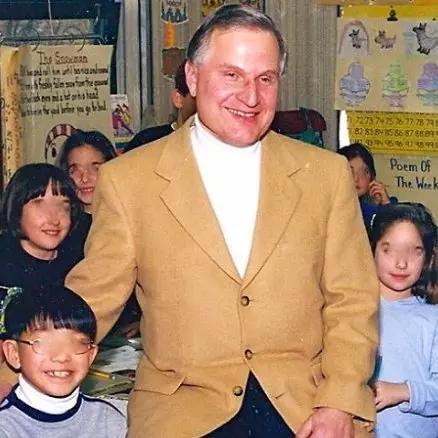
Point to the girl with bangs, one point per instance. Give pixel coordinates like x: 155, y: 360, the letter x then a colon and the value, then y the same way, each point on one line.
x: 40, y: 208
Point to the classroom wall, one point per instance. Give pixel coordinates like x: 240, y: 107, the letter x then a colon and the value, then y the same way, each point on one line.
x: 310, y: 32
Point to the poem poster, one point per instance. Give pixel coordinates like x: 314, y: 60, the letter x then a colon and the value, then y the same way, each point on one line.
x: 62, y: 88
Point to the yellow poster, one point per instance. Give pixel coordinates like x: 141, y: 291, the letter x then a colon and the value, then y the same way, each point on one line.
x: 10, y: 113
x: 62, y: 88
x: 400, y: 133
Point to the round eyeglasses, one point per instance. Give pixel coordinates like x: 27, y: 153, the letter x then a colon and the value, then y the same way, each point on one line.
x: 45, y: 346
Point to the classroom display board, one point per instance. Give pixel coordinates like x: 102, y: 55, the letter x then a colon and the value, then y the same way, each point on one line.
x: 406, y: 160
x: 55, y: 89
x: 387, y: 65
x: 401, y: 128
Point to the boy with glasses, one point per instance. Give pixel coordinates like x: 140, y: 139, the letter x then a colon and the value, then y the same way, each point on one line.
x: 49, y: 337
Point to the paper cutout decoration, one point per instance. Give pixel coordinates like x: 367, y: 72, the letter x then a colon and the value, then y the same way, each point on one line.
x: 395, y: 86
x: 172, y: 56
x: 55, y: 139
x: 174, y: 11
x: 354, y: 86
x: 355, y: 40
x: 209, y: 6
x: 427, y: 85
x: 384, y: 41
x: 426, y: 43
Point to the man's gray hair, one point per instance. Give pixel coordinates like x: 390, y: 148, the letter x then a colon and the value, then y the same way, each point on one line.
x: 233, y: 17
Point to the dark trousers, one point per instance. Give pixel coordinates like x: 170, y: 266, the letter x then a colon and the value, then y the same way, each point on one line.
x: 257, y: 417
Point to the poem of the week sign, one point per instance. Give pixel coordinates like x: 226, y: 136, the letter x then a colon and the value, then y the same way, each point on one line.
x: 410, y: 178
x: 62, y: 88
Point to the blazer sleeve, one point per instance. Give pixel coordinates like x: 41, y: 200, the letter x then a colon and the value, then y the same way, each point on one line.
x: 107, y: 275
x: 351, y: 293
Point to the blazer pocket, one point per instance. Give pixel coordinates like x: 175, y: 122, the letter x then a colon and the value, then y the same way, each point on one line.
x: 151, y: 379
x: 318, y: 377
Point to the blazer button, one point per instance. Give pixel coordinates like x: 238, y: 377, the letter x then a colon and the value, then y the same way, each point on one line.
x: 238, y: 391
x: 244, y: 301
x: 249, y: 354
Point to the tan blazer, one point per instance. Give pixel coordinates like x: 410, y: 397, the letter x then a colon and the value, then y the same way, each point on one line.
x: 303, y: 319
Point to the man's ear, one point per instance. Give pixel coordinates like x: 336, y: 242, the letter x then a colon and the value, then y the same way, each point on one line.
x: 92, y: 354
x: 177, y: 99
x: 191, y: 77
x: 10, y: 350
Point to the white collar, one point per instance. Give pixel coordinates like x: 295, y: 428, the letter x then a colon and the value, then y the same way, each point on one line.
x: 205, y: 136
x: 42, y: 402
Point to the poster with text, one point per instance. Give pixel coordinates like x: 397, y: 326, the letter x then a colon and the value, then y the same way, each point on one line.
x: 62, y: 88
x: 410, y: 178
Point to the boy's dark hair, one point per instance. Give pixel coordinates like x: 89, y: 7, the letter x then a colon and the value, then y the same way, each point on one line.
x: 422, y: 219
x: 80, y: 138
x: 180, y: 79
x: 359, y: 150
x: 30, y: 182
x: 56, y: 307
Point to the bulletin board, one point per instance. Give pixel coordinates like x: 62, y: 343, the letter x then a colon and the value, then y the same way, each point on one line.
x: 403, y: 138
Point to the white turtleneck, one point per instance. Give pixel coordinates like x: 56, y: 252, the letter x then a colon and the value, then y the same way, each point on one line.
x: 231, y: 176
x: 42, y: 402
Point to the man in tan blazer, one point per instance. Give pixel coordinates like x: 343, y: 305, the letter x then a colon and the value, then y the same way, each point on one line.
x: 250, y: 259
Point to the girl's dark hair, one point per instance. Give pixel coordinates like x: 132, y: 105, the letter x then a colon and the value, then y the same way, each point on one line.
x: 422, y: 219
x: 359, y: 150
x: 42, y: 309
x: 30, y: 182
x: 80, y: 138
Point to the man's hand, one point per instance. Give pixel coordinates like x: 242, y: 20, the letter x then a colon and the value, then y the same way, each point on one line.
x: 327, y: 423
x: 377, y: 190
x: 390, y: 394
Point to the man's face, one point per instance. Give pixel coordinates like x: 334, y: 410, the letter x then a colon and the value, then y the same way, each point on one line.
x: 236, y: 84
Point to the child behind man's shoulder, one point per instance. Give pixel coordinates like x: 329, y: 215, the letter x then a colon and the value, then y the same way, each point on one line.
x: 50, y: 338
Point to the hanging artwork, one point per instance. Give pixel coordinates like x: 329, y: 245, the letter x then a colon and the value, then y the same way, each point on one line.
x: 172, y: 56
x: 55, y: 90
x: 209, y: 6
x: 254, y: 3
x: 387, y: 65
x: 174, y: 11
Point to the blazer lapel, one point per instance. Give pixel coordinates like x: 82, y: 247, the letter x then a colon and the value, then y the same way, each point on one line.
x: 187, y: 200
x: 278, y: 198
